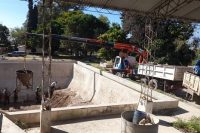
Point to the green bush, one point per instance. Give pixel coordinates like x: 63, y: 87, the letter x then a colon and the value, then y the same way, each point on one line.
x: 193, y: 125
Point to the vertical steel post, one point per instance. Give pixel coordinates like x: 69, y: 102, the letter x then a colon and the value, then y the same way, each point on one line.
x: 50, y: 43
x: 43, y: 44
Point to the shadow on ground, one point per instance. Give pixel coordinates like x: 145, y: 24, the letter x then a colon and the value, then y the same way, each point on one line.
x: 55, y: 130
x: 164, y: 123
x: 171, y: 112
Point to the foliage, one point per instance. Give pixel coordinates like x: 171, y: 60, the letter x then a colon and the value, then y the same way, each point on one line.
x: 58, y: 7
x: 104, y: 20
x: 82, y: 25
x: 114, y: 34
x: 76, y: 23
x: 57, y: 28
x: 171, y: 46
x: 171, y: 43
x: 4, y: 34
x: 134, y: 24
x: 195, y: 43
x: 32, y: 18
x: 193, y: 125
x: 17, y: 36
x: 107, y: 53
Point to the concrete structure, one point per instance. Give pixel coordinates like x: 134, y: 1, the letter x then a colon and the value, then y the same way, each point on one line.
x: 9, y: 127
x: 108, y: 93
x: 127, y: 125
x: 61, y: 72
x: 102, y: 87
x: 45, y: 121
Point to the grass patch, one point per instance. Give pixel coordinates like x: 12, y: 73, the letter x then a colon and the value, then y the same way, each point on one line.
x: 191, y: 126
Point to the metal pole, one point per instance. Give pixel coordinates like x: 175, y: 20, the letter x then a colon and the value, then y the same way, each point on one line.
x: 50, y: 42
x: 25, y: 51
x: 43, y: 43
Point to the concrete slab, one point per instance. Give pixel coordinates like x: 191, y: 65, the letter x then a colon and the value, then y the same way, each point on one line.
x: 108, y: 124
x: 69, y: 113
x: 9, y: 127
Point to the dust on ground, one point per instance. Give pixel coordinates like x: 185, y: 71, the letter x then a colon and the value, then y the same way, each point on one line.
x: 66, y: 97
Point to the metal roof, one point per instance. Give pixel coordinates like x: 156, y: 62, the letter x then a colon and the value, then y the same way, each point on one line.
x: 182, y: 9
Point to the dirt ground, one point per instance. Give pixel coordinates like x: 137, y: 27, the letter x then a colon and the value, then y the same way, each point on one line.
x: 60, y: 98
x: 66, y: 97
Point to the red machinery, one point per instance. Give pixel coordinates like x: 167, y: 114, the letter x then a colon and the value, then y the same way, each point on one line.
x: 131, y: 48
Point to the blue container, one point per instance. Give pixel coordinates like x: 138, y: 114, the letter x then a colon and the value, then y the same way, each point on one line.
x: 138, y: 116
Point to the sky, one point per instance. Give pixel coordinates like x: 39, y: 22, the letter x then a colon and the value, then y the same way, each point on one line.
x: 13, y: 14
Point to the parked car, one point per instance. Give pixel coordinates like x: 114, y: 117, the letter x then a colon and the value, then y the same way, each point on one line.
x: 17, y: 53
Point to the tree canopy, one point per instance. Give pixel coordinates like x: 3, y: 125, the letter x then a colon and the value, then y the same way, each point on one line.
x: 4, y: 34
x: 82, y: 25
x: 171, y: 43
x: 114, y: 34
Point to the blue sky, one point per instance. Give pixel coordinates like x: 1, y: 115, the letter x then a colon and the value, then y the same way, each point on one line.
x: 13, y: 14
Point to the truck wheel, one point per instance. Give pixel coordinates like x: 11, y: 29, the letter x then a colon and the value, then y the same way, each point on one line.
x: 143, y: 81
x: 197, y: 99
x: 153, y: 84
x: 118, y: 74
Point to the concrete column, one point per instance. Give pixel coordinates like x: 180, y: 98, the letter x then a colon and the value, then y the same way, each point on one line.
x: 45, y: 121
x: 1, y: 121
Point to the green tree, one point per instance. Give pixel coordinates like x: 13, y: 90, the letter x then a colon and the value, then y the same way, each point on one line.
x: 171, y: 41
x: 4, y: 34
x: 82, y: 25
x: 57, y: 29
x: 78, y: 24
x: 17, y: 36
x: 32, y: 17
x: 114, y: 34
x: 171, y: 45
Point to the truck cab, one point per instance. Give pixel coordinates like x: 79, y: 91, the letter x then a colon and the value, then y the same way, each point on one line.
x: 119, y: 63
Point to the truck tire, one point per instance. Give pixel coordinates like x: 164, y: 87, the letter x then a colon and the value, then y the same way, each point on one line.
x: 153, y: 84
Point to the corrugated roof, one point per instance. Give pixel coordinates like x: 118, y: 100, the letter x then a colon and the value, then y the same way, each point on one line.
x: 183, y: 9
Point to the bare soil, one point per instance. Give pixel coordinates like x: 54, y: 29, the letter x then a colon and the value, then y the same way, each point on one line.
x: 66, y: 97
x: 60, y: 98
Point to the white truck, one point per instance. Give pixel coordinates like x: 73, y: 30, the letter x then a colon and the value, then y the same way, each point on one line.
x: 169, y: 76
x: 192, y: 84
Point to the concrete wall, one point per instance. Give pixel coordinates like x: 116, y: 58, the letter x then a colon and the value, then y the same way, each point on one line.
x: 109, y: 94
x: 69, y: 113
x: 101, y: 87
x: 61, y: 72
x: 9, y: 127
x: 98, y: 89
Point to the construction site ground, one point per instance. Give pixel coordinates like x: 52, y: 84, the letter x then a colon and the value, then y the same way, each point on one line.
x: 112, y: 123
x: 60, y: 98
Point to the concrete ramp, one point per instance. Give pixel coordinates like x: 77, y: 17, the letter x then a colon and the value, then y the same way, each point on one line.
x: 99, y: 87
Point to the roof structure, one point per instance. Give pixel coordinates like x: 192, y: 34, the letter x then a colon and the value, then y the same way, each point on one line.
x: 181, y: 9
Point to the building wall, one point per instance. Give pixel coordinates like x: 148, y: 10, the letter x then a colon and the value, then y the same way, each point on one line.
x: 62, y: 72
